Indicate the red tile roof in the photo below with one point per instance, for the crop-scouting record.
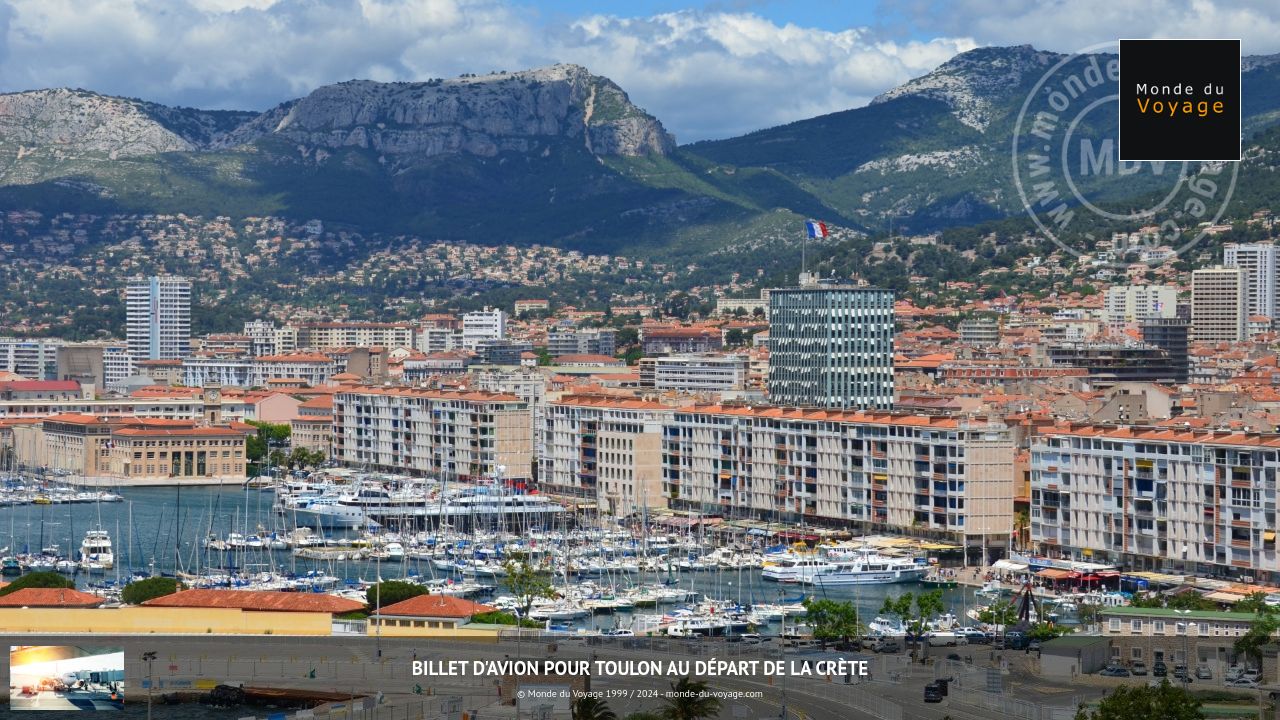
(436, 606)
(257, 600)
(49, 597)
(40, 386)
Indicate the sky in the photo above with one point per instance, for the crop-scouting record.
(707, 69)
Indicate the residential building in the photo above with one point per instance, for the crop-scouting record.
(522, 307)
(319, 335)
(1127, 304)
(1159, 498)
(486, 324)
(591, 341)
(502, 352)
(1171, 636)
(159, 318)
(470, 435)
(312, 427)
(831, 346)
(1219, 304)
(528, 385)
(438, 339)
(1172, 335)
(869, 470)
(313, 369)
(744, 306)
(263, 338)
(33, 359)
(605, 451)
(675, 340)
(706, 372)
(980, 331)
(1259, 261)
(1110, 363)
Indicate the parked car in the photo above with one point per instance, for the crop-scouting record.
(1159, 669)
(1113, 671)
(955, 656)
(1203, 672)
(1252, 675)
(974, 636)
(1241, 682)
(887, 645)
(1233, 672)
(932, 693)
(947, 639)
(1180, 672)
(1137, 667)
(1034, 646)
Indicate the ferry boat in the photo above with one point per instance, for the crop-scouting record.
(869, 568)
(95, 551)
(791, 569)
(375, 505)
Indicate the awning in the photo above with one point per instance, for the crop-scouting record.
(757, 531)
(1054, 574)
(1268, 535)
(1008, 565)
(1224, 597)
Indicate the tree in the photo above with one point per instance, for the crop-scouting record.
(526, 581)
(735, 337)
(588, 707)
(1190, 601)
(140, 591)
(1167, 702)
(390, 592)
(1255, 603)
(38, 580)
(927, 604)
(1260, 632)
(831, 620)
(268, 433)
(689, 700)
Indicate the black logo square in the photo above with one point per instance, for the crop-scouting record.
(1179, 100)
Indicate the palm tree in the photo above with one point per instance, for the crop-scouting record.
(591, 708)
(689, 700)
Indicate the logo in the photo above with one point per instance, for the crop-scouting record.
(1070, 179)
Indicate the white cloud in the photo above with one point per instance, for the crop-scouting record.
(711, 74)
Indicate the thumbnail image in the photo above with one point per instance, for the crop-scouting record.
(65, 677)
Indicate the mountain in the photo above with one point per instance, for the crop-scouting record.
(556, 156)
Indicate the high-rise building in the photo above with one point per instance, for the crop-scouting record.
(831, 346)
(1218, 304)
(1126, 304)
(159, 318)
(1259, 261)
(32, 358)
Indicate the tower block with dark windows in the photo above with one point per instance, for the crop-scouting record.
(831, 346)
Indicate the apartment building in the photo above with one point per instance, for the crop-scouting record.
(354, 334)
(591, 341)
(313, 369)
(1126, 304)
(33, 359)
(878, 471)
(980, 331)
(486, 324)
(1219, 304)
(1259, 262)
(474, 436)
(605, 451)
(676, 340)
(159, 318)
(312, 428)
(707, 372)
(1173, 499)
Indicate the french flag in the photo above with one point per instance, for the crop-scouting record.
(816, 229)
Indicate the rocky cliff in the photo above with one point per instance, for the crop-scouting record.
(478, 115)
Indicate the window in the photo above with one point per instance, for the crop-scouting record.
(1159, 627)
(1136, 653)
(1135, 625)
(1114, 625)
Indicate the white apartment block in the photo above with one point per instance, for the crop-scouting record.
(438, 339)
(470, 436)
(159, 318)
(312, 369)
(605, 451)
(878, 470)
(1219, 306)
(530, 386)
(703, 372)
(1128, 304)
(1259, 261)
(33, 359)
(1179, 500)
(486, 324)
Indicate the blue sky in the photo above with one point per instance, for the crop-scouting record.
(709, 69)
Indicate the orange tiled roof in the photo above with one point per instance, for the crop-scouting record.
(257, 600)
(49, 597)
(436, 606)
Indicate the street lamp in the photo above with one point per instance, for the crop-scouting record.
(1186, 658)
(149, 658)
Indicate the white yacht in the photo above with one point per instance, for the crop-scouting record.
(95, 551)
(791, 569)
(869, 568)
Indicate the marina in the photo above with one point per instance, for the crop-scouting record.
(619, 579)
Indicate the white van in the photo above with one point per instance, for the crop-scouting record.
(947, 639)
